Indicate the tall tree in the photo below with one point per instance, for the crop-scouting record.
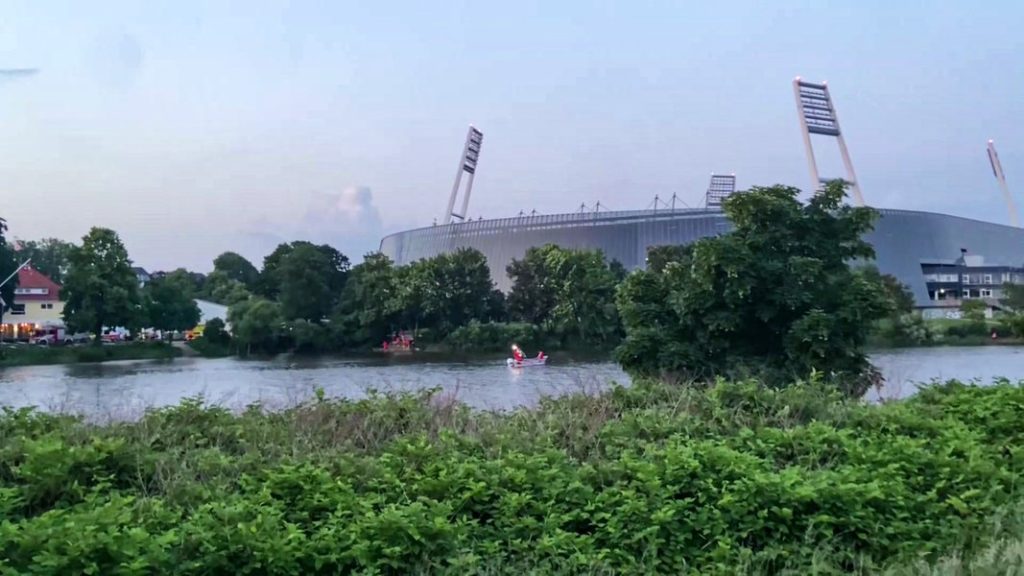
(257, 324)
(237, 268)
(775, 297)
(192, 283)
(534, 294)
(167, 305)
(585, 296)
(270, 280)
(100, 288)
(369, 304)
(50, 256)
(8, 265)
(449, 290)
(899, 295)
(305, 284)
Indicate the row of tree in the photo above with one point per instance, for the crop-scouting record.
(776, 297)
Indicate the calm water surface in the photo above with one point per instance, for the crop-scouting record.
(125, 389)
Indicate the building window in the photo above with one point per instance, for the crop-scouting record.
(986, 293)
(966, 278)
(1006, 277)
(47, 306)
(988, 279)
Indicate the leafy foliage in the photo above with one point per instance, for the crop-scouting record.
(167, 305)
(216, 332)
(305, 289)
(369, 305)
(100, 288)
(651, 479)
(50, 256)
(257, 324)
(235, 267)
(272, 276)
(447, 291)
(973, 310)
(775, 297)
(495, 336)
(8, 264)
(568, 292)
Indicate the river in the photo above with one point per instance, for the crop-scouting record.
(122, 390)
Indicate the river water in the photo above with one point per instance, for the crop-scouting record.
(125, 389)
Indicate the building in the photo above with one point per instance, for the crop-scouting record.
(916, 247)
(910, 245)
(142, 276)
(36, 304)
(969, 277)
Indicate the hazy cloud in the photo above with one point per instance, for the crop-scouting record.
(348, 220)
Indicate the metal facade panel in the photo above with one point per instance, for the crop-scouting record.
(902, 239)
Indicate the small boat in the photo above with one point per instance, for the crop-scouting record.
(518, 360)
(526, 362)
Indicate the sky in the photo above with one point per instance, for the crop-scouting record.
(196, 127)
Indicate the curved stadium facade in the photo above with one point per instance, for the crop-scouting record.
(913, 246)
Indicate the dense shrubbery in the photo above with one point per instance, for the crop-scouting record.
(495, 337)
(776, 297)
(649, 479)
(968, 329)
(28, 355)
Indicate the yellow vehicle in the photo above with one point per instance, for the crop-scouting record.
(196, 332)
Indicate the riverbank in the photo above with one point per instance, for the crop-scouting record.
(28, 355)
(647, 479)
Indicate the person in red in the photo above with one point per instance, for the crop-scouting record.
(517, 354)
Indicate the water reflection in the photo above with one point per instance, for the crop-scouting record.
(126, 389)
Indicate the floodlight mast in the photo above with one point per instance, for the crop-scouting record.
(997, 170)
(818, 116)
(467, 164)
(721, 187)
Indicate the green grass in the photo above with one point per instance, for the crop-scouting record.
(26, 355)
(651, 479)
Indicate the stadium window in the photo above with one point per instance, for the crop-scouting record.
(988, 278)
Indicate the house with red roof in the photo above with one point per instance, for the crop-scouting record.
(37, 304)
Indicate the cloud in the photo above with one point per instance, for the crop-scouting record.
(347, 220)
(349, 211)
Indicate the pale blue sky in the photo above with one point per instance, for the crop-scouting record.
(198, 127)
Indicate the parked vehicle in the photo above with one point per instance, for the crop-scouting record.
(48, 336)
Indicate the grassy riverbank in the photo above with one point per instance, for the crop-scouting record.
(651, 479)
(26, 355)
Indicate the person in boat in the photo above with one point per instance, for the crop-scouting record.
(517, 354)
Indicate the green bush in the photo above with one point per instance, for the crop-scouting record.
(1013, 324)
(649, 479)
(968, 329)
(215, 332)
(494, 336)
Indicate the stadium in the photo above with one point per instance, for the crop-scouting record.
(942, 258)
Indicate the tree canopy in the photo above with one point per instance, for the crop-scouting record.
(168, 305)
(235, 267)
(50, 256)
(8, 264)
(271, 277)
(775, 297)
(100, 288)
(369, 305)
(570, 292)
(305, 283)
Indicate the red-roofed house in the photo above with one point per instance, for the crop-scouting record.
(36, 304)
